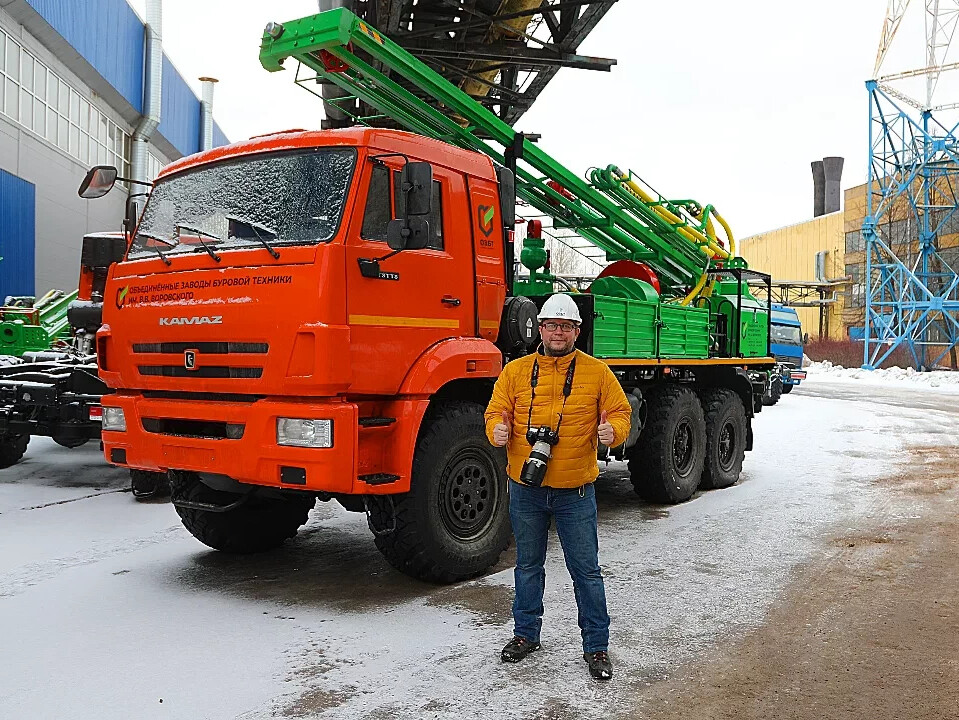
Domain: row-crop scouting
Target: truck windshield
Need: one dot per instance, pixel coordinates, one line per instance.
(290, 198)
(786, 334)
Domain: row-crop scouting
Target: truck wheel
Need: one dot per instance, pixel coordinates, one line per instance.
(666, 463)
(454, 522)
(774, 392)
(12, 448)
(725, 438)
(69, 441)
(146, 484)
(787, 389)
(257, 525)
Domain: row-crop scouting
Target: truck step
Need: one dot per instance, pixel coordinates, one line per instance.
(376, 421)
(379, 478)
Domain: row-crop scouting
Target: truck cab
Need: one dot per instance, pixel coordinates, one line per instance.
(283, 323)
(786, 341)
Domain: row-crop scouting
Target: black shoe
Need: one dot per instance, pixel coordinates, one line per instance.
(599, 665)
(518, 648)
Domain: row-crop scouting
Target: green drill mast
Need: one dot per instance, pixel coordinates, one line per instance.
(611, 209)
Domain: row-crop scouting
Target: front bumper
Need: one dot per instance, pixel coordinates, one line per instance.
(793, 377)
(165, 434)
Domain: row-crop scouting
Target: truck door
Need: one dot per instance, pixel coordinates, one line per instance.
(421, 296)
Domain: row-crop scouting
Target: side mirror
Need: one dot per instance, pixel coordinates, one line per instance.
(507, 196)
(805, 339)
(98, 182)
(417, 187)
(411, 234)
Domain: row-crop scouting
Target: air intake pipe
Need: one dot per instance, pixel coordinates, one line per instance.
(152, 93)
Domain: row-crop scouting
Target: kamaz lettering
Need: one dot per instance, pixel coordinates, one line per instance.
(195, 320)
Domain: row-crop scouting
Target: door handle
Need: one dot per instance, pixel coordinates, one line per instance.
(450, 300)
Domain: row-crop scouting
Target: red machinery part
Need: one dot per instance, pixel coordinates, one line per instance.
(632, 269)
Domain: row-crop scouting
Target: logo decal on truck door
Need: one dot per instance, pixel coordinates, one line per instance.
(485, 214)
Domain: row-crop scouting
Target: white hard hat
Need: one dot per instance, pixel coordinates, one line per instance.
(560, 307)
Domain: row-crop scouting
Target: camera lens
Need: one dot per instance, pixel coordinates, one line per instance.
(534, 469)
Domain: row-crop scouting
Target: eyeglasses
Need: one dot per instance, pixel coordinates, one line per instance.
(553, 327)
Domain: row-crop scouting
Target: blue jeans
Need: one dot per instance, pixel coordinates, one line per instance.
(530, 511)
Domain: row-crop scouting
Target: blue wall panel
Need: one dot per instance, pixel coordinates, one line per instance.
(219, 138)
(180, 117)
(109, 36)
(17, 235)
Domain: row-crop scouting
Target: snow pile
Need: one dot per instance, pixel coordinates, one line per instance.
(904, 377)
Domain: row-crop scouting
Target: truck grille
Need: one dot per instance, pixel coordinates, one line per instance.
(209, 429)
(206, 348)
(207, 371)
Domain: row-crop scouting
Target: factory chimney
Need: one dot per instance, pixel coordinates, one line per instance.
(826, 179)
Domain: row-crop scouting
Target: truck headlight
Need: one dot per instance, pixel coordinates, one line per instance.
(113, 419)
(304, 433)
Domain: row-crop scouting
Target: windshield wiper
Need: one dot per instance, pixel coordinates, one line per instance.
(166, 242)
(256, 231)
(200, 234)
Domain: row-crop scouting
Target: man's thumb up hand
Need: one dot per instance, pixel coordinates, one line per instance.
(502, 430)
(605, 430)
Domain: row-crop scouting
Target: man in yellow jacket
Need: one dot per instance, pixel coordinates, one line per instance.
(550, 410)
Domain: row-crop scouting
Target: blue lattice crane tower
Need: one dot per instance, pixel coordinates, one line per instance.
(911, 288)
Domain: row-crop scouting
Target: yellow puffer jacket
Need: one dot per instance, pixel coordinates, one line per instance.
(595, 389)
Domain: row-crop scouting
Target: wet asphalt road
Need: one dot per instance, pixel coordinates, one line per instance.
(116, 600)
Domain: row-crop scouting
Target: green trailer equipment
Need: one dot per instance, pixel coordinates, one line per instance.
(31, 325)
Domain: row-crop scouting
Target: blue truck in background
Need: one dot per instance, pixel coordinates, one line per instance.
(786, 342)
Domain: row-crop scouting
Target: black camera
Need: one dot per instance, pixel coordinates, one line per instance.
(534, 469)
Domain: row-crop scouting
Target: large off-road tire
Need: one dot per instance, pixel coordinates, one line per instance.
(787, 389)
(12, 448)
(773, 392)
(725, 437)
(454, 522)
(146, 485)
(259, 524)
(666, 464)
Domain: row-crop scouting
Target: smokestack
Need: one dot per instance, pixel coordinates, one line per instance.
(206, 113)
(818, 188)
(832, 167)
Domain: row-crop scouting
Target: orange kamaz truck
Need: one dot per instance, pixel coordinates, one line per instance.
(322, 315)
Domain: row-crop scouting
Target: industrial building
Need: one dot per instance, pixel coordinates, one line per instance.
(819, 265)
(808, 260)
(82, 84)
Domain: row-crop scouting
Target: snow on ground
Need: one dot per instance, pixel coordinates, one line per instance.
(110, 609)
(942, 380)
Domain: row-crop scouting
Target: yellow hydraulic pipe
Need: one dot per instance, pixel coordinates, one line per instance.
(695, 291)
(689, 233)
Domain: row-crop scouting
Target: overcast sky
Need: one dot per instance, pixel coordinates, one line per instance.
(723, 102)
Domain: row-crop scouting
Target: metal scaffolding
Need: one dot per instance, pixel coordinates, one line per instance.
(911, 290)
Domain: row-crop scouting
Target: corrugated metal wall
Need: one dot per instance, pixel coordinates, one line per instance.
(109, 36)
(219, 138)
(180, 119)
(17, 235)
(789, 253)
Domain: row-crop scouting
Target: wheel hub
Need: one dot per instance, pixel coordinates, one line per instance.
(727, 443)
(683, 447)
(468, 496)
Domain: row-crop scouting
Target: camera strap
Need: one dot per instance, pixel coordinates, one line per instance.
(567, 390)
